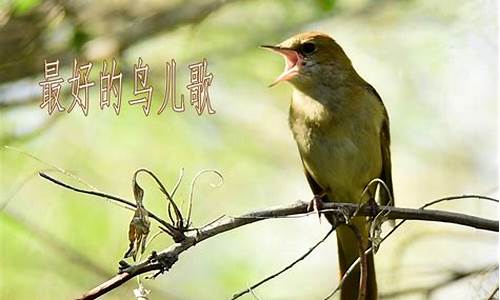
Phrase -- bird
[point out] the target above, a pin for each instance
(341, 128)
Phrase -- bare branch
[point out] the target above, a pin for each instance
(128, 203)
(164, 260)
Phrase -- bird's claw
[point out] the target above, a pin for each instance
(316, 205)
(373, 207)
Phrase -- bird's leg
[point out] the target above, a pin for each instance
(373, 206)
(316, 204)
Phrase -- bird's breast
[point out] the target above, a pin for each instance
(340, 150)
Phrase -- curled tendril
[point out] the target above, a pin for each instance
(383, 184)
(365, 190)
(193, 183)
(176, 186)
(375, 228)
(164, 191)
(178, 223)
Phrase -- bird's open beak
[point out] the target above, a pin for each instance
(292, 62)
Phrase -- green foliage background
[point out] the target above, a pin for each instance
(434, 63)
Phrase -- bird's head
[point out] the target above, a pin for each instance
(311, 58)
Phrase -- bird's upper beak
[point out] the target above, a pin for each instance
(292, 62)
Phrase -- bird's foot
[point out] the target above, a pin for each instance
(316, 205)
(373, 206)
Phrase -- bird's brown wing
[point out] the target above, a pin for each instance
(386, 174)
(385, 143)
(315, 186)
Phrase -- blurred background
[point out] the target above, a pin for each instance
(433, 62)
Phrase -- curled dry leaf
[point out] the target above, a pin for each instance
(139, 225)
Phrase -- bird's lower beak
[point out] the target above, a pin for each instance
(292, 63)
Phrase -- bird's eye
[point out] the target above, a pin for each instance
(307, 48)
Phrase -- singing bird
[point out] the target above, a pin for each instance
(342, 132)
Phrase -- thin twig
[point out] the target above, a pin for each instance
(492, 295)
(250, 289)
(59, 169)
(174, 190)
(19, 186)
(191, 192)
(458, 198)
(102, 195)
(428, 290)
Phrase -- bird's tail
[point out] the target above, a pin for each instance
(348, 253)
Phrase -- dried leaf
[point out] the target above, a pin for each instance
(139, 225)
(138, 191)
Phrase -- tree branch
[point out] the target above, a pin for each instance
(164, 260)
